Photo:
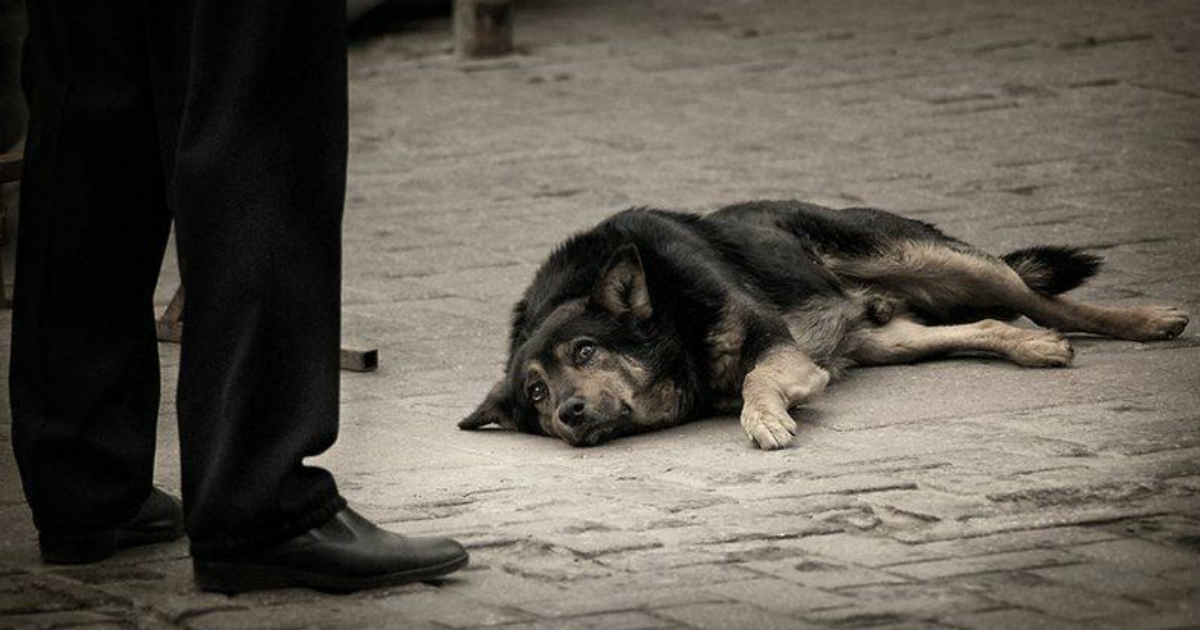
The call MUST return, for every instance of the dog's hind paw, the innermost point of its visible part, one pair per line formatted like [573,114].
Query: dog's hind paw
[1155,323]
[1042,348]
[768,429]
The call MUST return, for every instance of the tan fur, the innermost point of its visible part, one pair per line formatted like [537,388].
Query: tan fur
[624,287]
[1031,271]
[903,340]
[533,372]
[931,276]
[782,377]
[824,326]
[938,278]
[606,382]
[725,342]
[1142,323]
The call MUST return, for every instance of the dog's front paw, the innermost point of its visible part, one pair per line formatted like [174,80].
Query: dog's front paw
[1155,323]
[768,429]
[1042,348]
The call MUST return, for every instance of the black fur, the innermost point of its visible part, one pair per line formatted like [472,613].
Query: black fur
[1053,269]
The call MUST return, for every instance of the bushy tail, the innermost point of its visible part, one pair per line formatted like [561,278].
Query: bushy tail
[1053,269]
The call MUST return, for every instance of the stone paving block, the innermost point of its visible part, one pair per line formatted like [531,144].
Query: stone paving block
[882,603]
[869,551]
[599,544]
[1187,618]
[321,614]
[1042,519]
[500,588]
[849,484]
[929,505]
[750,528]
[444,608]
[1011,618]
[696,575]
[730,615]
[23,594]
[582,598]
[1114,579]
[1056,537]
[1064,602]
[656,560]
[73,619]
[1007,561]
[630,620]
[1188,576]
[1139,555]
[824,574]
[779,595]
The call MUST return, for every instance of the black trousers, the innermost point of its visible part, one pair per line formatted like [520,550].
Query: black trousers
[229,115]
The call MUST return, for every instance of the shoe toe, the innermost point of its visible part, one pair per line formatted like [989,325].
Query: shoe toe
[438,551]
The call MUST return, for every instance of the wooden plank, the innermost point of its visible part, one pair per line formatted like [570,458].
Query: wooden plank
[360,360]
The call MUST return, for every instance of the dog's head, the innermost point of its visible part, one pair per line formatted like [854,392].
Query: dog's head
[595,368]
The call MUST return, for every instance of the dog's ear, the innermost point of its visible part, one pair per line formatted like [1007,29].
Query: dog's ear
[622,287]
[495,409]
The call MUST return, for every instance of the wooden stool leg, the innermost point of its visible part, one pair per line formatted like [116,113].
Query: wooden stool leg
[10,172]
[170,330]
[483,28]
[170,325]
[4,301]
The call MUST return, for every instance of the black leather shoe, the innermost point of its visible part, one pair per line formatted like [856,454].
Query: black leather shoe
[160,520]
[348,553]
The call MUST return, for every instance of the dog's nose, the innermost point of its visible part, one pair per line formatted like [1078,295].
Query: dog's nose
[573,411]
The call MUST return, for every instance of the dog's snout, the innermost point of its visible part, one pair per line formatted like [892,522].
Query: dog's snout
[573,411]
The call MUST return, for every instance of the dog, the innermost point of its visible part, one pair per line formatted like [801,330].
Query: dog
[654,318]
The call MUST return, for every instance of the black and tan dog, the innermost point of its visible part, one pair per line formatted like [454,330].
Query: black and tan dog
[654,318]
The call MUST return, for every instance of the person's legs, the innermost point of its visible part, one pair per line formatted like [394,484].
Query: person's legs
[94,223]
[250,104]
[12,103]
[257,187]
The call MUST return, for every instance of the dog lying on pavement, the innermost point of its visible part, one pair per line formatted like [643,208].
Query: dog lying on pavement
[654,318]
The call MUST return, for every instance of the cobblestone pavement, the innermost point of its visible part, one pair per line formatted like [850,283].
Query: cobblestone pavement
[962,494]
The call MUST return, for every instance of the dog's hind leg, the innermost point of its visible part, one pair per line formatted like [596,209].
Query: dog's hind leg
[903,340]
[1139,323]
[941,282]
[782,377]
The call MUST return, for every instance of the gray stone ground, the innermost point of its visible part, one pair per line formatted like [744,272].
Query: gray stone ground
[962,494]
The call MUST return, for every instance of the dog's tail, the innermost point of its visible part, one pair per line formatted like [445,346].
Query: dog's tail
[1053,269]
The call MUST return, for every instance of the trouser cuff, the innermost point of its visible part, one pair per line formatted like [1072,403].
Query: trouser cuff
[232,547]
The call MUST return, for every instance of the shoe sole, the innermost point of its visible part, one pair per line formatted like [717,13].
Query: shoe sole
[127,539]
[231,577]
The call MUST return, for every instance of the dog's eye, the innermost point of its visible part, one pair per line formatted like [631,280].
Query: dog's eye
[584,352]
[537,392]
